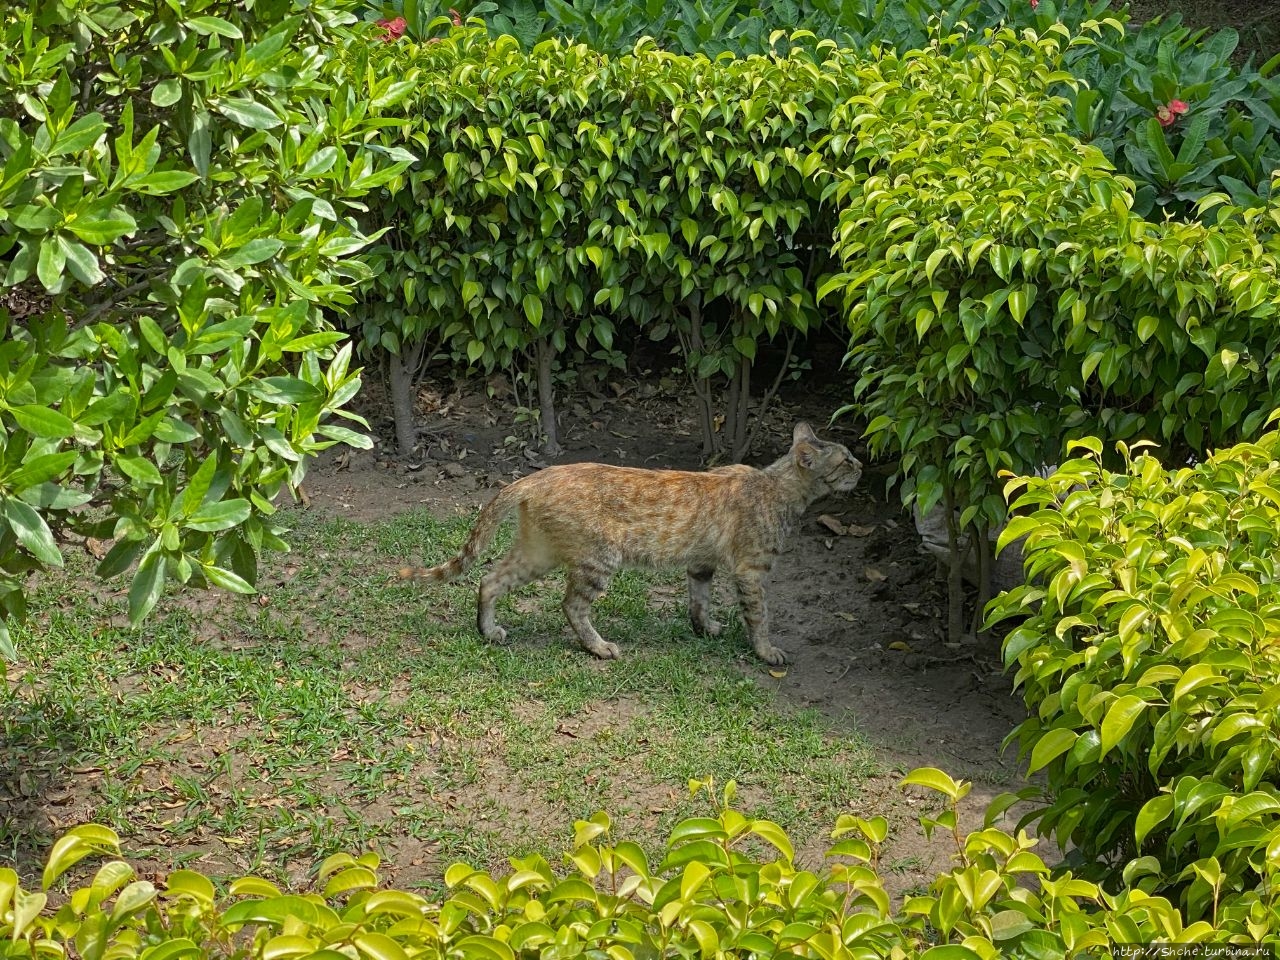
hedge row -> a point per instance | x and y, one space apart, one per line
1226 140
1001 291
1003 296
562 195
727 886
1149 666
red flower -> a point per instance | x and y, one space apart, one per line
392 29
1034 4
457 17
1170 112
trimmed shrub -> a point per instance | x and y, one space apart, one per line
1223 137
563 195
1003 297
1148 664
727 886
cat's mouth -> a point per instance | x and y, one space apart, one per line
849 481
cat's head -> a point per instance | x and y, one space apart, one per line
831 464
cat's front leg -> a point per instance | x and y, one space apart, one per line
755 614
587 583
700 601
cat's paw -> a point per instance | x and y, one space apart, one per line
774 656
496 634
708 628
606 650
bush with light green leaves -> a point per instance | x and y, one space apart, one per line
727 886
1149 666
179 185
1002 297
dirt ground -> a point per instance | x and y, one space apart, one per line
1258 24
860 612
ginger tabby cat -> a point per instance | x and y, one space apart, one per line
594 519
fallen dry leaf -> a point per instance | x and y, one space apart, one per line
97 547
854 530
777 674
832 524
845 615
874 575
900 645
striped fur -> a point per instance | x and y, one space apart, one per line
595 519
482 535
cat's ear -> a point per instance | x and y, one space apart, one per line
806 454
803 433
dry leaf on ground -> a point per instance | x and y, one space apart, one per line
832 524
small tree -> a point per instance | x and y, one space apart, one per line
177 192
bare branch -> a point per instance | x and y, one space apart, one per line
773 389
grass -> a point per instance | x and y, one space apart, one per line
342 709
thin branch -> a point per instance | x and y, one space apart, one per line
773 389
100 308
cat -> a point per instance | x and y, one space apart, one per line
595 519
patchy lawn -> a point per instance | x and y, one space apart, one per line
342 709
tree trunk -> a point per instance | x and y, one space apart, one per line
701 388
742 409
769 394
546 401
732 397
955 573
982 548
403 372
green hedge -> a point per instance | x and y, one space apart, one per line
727 887
1003 296
1226 140
562 195
1149 665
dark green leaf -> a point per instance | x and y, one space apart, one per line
148 584
43 422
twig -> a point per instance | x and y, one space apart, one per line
769 394
934 661
848 667
99 309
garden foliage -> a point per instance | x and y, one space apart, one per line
726 886
564 195
177 189
1003 296
1228 139
1148 664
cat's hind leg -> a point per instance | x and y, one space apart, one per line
522 564
587 582
700 601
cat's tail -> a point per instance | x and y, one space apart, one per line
481 535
